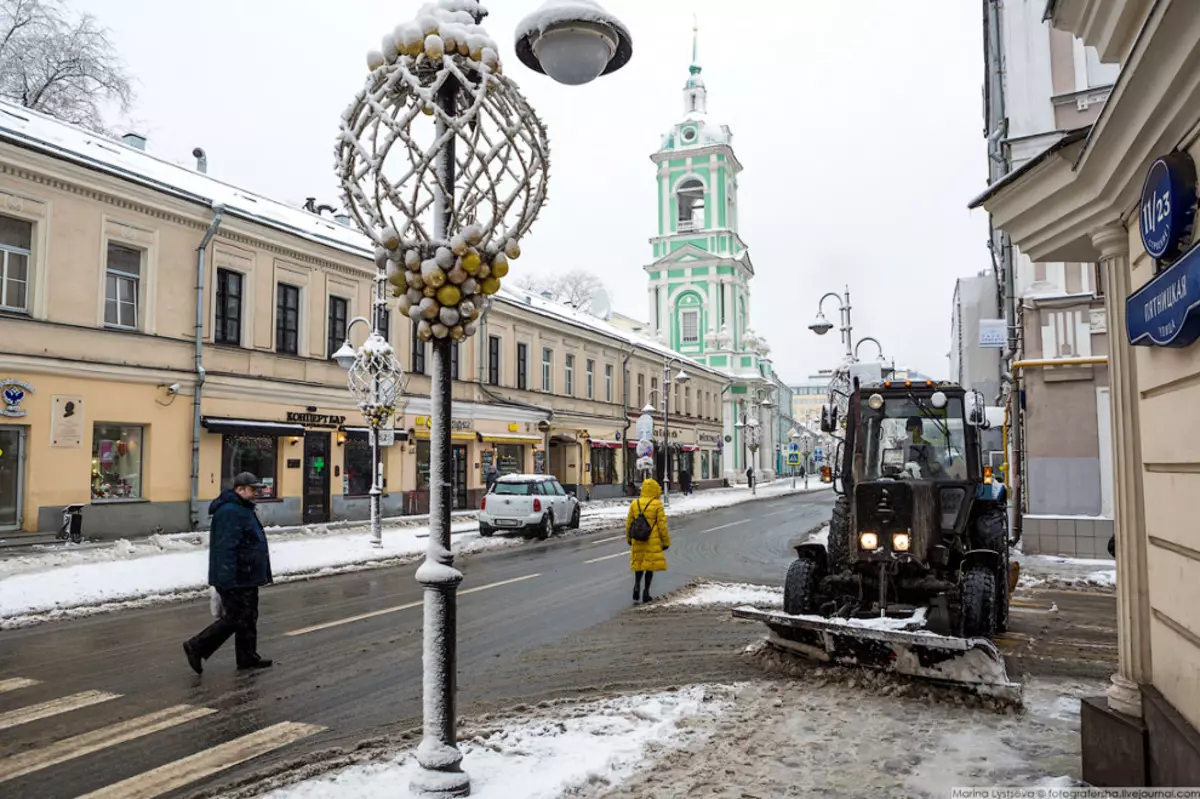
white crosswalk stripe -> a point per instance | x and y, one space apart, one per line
24 715
173 776
96 740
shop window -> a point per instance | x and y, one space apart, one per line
228 318
704 465
122 285
258 455
357 466
590 379
494 360
287 319
604 466
547 369
510 458
417 358
423 465
116 461
569 375
522 366
690 325
608 382
16 244
338 307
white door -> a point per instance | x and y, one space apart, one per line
1104 430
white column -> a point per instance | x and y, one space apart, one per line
1133 599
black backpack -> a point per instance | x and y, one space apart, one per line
640 529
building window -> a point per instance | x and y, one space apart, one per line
16 244
418 353
228 320
454 360
569 376
494 360
116 461
657 310
123 277
604 466
590 379
641 391
287 319
690 199
608 382
522 366
258 455
687 401
357 466
690 327
337 324
547 369
385 324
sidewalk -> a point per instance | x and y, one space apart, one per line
40 583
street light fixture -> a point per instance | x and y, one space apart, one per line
821 325
444 238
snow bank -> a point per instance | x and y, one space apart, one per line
586 746
1050 571
728 594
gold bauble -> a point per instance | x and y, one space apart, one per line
512 249
449 295
500 269
491 285
429 291
471 262
457 332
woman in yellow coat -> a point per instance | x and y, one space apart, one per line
647 556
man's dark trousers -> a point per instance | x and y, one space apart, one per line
239 619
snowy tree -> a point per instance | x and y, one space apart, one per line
576 288
60 63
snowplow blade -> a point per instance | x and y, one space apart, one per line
973 663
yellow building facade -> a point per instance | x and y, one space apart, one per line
101 377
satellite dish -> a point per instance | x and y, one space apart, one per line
601 306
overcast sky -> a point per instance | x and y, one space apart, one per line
858 123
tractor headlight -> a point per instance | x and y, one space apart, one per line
901 542
875 402
868 541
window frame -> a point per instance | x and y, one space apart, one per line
122 277
417 353
589 378
522 365
221 311
454 362
692 314
335 336
608 382
547 370
569 374
141 472
495 348
282 290
7 250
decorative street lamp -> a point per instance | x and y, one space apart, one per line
376 381
681 378
444 165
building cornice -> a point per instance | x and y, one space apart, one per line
726 150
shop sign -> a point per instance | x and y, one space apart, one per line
658 431
459 425
709 438
13 391
1168 207
322 420
66 425
1162 312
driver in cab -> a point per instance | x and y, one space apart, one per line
919 451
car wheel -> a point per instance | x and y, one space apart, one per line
575 519
546 528
486 531
979 603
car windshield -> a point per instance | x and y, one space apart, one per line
520 489
909 439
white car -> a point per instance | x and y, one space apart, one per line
530 503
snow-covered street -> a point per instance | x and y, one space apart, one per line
1058 572
50 583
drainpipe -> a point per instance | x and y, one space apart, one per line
218 214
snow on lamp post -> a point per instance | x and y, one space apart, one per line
444 165
376 381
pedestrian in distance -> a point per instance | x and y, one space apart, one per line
648 538
239 563
685 480
490 477
750 477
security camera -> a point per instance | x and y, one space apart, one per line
173 388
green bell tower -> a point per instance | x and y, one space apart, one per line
699 298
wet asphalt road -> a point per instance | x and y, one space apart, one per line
123 709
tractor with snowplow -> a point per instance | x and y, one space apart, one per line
915 575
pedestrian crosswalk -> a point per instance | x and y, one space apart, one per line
98 739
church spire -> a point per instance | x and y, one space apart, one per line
695 96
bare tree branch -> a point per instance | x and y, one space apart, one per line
576 288
60 64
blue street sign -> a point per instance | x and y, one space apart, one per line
793 459
1164 311
793 447
1168 206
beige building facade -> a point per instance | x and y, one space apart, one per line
1085 200
126 389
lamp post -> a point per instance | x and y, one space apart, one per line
682 378
444 165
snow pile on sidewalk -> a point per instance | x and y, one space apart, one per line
97 585
1051 571
579 749
727 595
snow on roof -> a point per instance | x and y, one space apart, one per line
527 301
45 134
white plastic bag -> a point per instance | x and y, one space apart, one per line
214 603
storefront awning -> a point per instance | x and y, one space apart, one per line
690 448
251 427
601 444
455 435
364 433
509 438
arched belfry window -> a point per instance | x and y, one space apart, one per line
690 196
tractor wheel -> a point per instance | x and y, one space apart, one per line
839 535
800 587
991 532
979 603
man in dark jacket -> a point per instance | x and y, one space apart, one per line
238 563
